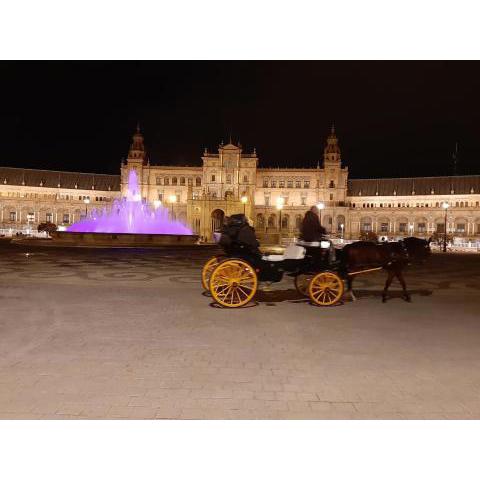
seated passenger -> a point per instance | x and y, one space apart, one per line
311 230
238 235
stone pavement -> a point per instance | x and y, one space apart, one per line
128 334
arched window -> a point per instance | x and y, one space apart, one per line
198 182
285 222
245 179
332 184
182 180
174 181
272 220
260 221
298 222
167 181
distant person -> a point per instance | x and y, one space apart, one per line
311 229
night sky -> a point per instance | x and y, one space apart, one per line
393 119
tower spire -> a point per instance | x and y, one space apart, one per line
137 148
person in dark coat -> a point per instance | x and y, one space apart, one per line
311 230
238 234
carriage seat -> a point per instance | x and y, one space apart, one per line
292 252
321 244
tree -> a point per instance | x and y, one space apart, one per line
47 227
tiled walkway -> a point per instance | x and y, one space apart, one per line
129 334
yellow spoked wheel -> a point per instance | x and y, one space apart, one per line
207 270
301 284
325 288
233 283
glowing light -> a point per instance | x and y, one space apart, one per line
445 205
130 215
320 205
172 198
86 201
244 199
157 203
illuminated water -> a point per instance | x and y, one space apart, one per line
130 215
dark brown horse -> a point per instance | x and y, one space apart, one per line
391 256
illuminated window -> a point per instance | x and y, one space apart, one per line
49 217
460 228
13 216
384 227
298 184
306 184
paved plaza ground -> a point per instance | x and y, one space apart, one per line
88 334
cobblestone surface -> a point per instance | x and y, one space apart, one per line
129 334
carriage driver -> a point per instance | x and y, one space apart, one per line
311 230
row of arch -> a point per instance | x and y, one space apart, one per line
293 222
181 181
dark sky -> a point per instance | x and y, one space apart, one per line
392 118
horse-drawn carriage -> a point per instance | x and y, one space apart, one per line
233 279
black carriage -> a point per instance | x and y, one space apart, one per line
233 278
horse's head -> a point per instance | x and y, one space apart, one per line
418 249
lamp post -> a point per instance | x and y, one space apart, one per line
244 200
320 207
280 203
86 201
341 229
445 206
172 199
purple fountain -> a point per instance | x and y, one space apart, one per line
128 223
131 215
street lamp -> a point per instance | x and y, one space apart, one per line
445 206
244 200
320 207
280 203
157 203
341 228
86 201
172 199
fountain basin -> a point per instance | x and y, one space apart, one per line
91 239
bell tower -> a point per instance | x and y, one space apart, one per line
331 152
136 154
135 161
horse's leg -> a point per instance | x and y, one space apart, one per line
390 276
349 287
399 275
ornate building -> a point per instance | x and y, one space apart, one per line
230 181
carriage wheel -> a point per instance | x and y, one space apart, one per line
325 288
207 270
301 284
233 283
